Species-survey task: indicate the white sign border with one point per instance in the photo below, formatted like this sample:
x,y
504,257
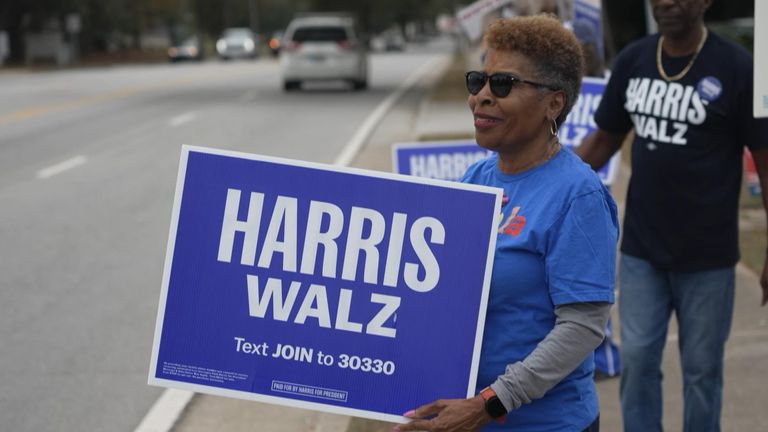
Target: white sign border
x,y
200,388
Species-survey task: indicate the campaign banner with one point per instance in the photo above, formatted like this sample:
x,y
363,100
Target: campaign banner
x,y
590,12
448,160
472,17
335,289
581,122
444,160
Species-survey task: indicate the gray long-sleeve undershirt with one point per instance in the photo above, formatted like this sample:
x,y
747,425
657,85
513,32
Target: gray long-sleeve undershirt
x,y
579,329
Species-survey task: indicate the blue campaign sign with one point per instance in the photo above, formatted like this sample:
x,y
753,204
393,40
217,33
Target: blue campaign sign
x,y
341,290
444,160
590,12
581,122
448,160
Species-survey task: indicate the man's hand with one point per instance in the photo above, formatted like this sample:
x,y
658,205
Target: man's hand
x,y
598,148
461,415
760,157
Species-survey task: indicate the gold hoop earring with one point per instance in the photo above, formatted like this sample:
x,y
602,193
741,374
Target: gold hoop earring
x,y
553,128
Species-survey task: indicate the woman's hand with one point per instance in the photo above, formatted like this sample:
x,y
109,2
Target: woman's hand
x,y
448,415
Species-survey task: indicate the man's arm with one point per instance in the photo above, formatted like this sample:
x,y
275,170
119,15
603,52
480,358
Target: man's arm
x,y
761,163
598,147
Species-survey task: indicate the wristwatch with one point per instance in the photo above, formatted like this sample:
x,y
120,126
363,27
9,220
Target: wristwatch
x,y
493,405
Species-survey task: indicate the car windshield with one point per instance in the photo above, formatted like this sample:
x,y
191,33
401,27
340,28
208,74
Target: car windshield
x,y
189,42
320,34
238,34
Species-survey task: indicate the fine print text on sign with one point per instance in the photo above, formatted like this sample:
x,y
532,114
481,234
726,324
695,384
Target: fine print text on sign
x,y
320,287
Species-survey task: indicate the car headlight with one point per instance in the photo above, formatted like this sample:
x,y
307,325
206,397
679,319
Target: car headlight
x,y
221,46
248,45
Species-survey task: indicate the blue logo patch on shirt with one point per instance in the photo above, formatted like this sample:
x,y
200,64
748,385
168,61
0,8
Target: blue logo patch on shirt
x,y
709,88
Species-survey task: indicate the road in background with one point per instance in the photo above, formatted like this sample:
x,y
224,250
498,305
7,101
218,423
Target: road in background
x,y
88,162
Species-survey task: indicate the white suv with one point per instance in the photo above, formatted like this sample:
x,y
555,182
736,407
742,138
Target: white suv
x,y
323,47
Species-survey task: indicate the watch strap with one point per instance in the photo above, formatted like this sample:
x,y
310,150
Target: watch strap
x,y
493,405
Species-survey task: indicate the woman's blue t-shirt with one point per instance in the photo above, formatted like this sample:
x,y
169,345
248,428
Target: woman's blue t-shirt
x,y
556,245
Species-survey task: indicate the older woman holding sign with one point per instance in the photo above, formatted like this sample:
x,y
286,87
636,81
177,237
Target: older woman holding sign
x,y
553,272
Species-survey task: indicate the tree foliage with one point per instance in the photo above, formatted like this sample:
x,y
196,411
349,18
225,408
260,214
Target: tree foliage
x,y
118,23
114,24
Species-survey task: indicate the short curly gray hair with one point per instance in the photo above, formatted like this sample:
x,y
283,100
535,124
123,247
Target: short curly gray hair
x,y
554,51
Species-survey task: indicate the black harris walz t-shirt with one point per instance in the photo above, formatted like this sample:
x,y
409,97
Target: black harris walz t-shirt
x,y
682,202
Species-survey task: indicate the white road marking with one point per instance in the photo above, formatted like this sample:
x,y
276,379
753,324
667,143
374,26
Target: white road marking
x,y
182,119
364,131
248,96
60,167
165,411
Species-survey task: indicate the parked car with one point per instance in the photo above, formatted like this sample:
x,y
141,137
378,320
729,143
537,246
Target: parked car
x,y
190,48
323,47
237,42
389,40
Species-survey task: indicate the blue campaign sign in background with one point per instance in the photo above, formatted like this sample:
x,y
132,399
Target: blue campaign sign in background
x,y
448,160
327,288
581,122
589,12
444,160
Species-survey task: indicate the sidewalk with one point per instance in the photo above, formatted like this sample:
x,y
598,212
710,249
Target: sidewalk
x,y
417,115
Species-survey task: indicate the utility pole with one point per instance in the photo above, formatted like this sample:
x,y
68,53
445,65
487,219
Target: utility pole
x,y
253,9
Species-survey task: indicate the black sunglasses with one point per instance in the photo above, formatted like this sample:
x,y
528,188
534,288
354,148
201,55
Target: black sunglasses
x,y
501,83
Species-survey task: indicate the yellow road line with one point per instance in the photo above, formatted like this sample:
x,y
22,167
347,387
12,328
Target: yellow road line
x,y
37,111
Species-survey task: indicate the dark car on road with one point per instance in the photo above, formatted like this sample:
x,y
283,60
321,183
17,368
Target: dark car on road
x,y
190,48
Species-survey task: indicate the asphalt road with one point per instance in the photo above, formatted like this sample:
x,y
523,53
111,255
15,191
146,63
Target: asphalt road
x,y
88,162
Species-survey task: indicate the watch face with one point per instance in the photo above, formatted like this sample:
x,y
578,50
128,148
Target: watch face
x,y
495,408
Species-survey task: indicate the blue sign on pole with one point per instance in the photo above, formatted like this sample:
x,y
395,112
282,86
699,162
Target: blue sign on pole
x,y
448,160
590,12
581,122
341,290
443,160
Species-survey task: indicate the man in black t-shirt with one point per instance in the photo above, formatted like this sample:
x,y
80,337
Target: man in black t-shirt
x,y
688,95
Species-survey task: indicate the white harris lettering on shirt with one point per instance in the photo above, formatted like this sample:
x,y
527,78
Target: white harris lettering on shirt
x,y
662,111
